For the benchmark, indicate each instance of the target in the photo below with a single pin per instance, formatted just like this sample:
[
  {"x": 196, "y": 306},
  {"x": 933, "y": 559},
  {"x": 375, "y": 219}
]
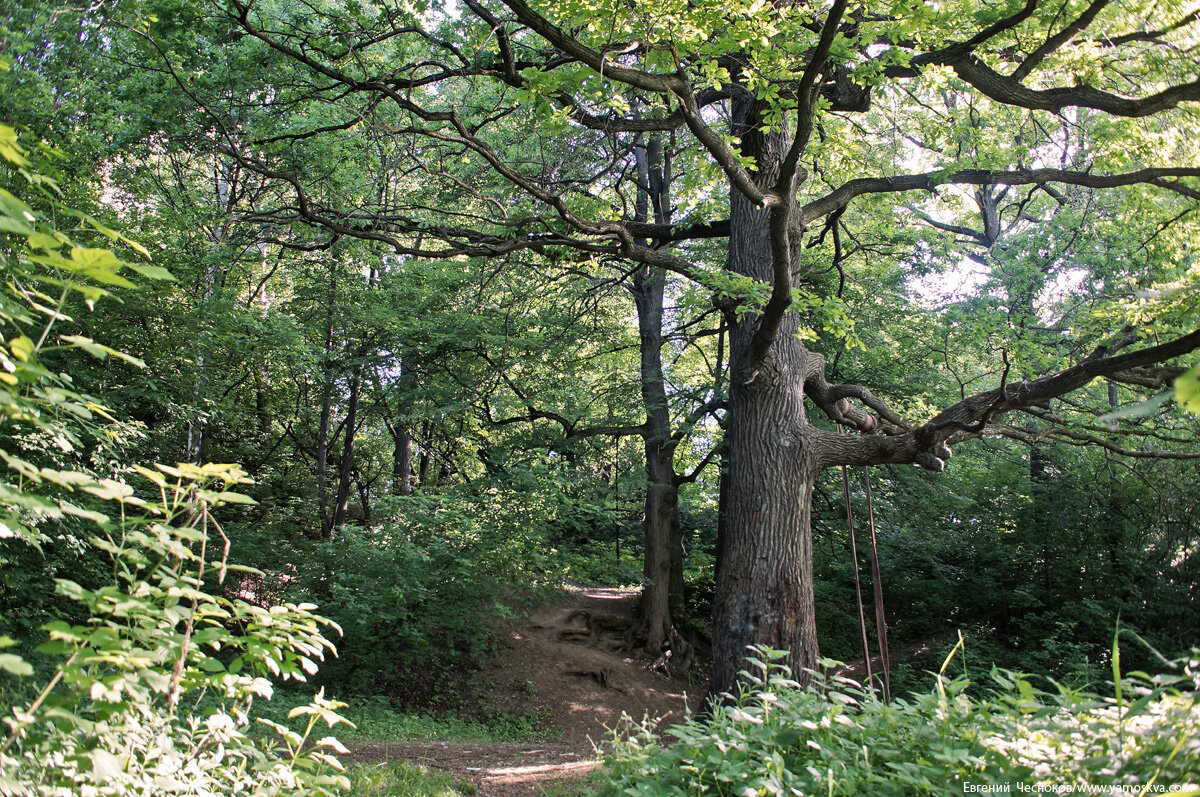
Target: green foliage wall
[{"x": 111, "y": 699}]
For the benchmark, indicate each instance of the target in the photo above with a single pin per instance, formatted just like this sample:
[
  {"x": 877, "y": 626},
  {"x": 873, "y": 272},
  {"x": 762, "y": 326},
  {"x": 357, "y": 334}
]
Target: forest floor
[{"x": 569, "y": 662}]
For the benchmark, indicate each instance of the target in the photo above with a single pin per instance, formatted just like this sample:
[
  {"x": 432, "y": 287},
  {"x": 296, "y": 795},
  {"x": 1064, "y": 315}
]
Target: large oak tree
[{"x": 801, "y": 127}]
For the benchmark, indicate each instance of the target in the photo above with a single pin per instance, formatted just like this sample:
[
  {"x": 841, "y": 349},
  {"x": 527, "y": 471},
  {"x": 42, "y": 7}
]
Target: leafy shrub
[
  {"x": 834, "y": 738},
  {"x": 119, "y": 710},
  {"x": 416, "y": 593},
  {"x": 412, "y": 606}
]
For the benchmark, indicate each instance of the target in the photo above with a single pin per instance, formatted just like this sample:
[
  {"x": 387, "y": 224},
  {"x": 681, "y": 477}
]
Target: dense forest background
[{"x": 436, "y": 442}]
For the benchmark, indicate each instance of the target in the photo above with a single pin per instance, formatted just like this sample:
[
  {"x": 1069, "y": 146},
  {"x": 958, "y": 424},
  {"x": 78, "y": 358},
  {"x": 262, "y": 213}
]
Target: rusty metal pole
[
  {"x": 862, "y": 618},
  {"x": 880, "y": 619}
]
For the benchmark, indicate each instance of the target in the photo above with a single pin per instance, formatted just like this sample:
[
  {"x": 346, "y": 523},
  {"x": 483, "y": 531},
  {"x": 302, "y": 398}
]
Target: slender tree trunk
[
  {"x": 326, "y": 410},
  {"x": 262, "y": 399},
  {"x": 764, "y": 590},
  {"x": 662, "y": 492},
  {"x": 364, "y": 498},
  {"x": 661, "y": 520},
  {"x": 323, "y": 459},
  {"x": 401, "y": 431},
  {"x": 346, "y": 465},
  {"x": 424, "y": 457},
  {"x": 661, "y": 507},
  {"x": 402, "y": 456},
  {"x": 197, "y": 424},
  {"x": 676, "y": 586}
]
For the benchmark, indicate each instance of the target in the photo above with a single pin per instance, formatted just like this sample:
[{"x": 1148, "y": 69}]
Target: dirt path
[
  {"x": 569, "y": 661},
  {"x": 496, "y": 770}
]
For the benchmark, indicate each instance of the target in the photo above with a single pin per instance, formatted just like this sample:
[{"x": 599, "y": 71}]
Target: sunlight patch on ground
[
  {"x": 609, "y": 593},
  {"x": 603, "y": 711},
  {"x": 538, "y": 772}
]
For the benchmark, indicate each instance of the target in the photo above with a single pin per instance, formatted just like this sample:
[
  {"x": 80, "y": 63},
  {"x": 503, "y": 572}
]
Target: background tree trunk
[
  {"x": 346, "y": 465},
  {"x": 327, "y": 378},
  {"x": 661, "y": 521},
  {"x": 662, "y": 492}
]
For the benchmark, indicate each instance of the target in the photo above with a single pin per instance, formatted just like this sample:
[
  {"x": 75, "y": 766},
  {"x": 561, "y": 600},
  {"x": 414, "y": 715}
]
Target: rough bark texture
[{"x": 764, "y": 587}]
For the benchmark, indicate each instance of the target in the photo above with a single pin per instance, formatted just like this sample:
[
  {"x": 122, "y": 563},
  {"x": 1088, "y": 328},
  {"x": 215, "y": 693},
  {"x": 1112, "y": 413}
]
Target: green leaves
[
  {"x": 836, "y": 738},
  {"x": 11, "y": 662},
  {"x": 154, "y": 634},
  {"x": 10, "y": 149},
  {"x": 1187, "y": 389},
  {"x": 97, "y": 350}
]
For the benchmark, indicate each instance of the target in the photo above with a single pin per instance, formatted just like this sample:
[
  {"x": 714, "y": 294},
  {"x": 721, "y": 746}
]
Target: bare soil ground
[
  {"x": 496, "y": 770},
  {"x": 571, "y": 662}
]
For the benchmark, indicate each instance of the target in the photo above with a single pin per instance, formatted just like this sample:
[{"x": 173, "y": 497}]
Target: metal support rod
[
  {"x": 880, "y": 619},
  {"x": 862, "y": 618}
]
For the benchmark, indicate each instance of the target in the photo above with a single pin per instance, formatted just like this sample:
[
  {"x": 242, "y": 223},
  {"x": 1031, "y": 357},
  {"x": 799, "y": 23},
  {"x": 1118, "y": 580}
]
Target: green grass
[
  {"x": 377, "y": 718},
  {"x": 401, "y": 779}
]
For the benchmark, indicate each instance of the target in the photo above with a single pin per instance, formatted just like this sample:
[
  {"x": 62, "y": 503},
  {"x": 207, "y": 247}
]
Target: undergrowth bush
[
  {"x": 834, "y": 738},
  {"x": 417, "y": 593},
  {"x": 413, "y": 606}
]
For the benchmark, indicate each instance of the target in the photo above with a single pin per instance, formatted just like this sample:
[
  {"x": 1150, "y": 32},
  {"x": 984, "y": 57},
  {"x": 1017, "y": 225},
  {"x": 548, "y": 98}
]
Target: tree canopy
[
  {"x": 493, "y": 294},
  {"x": 810, "y": 138}
]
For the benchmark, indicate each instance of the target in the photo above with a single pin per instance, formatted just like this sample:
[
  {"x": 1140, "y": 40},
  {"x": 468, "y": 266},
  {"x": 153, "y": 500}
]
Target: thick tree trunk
[{"x": 764, "y": 592}]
